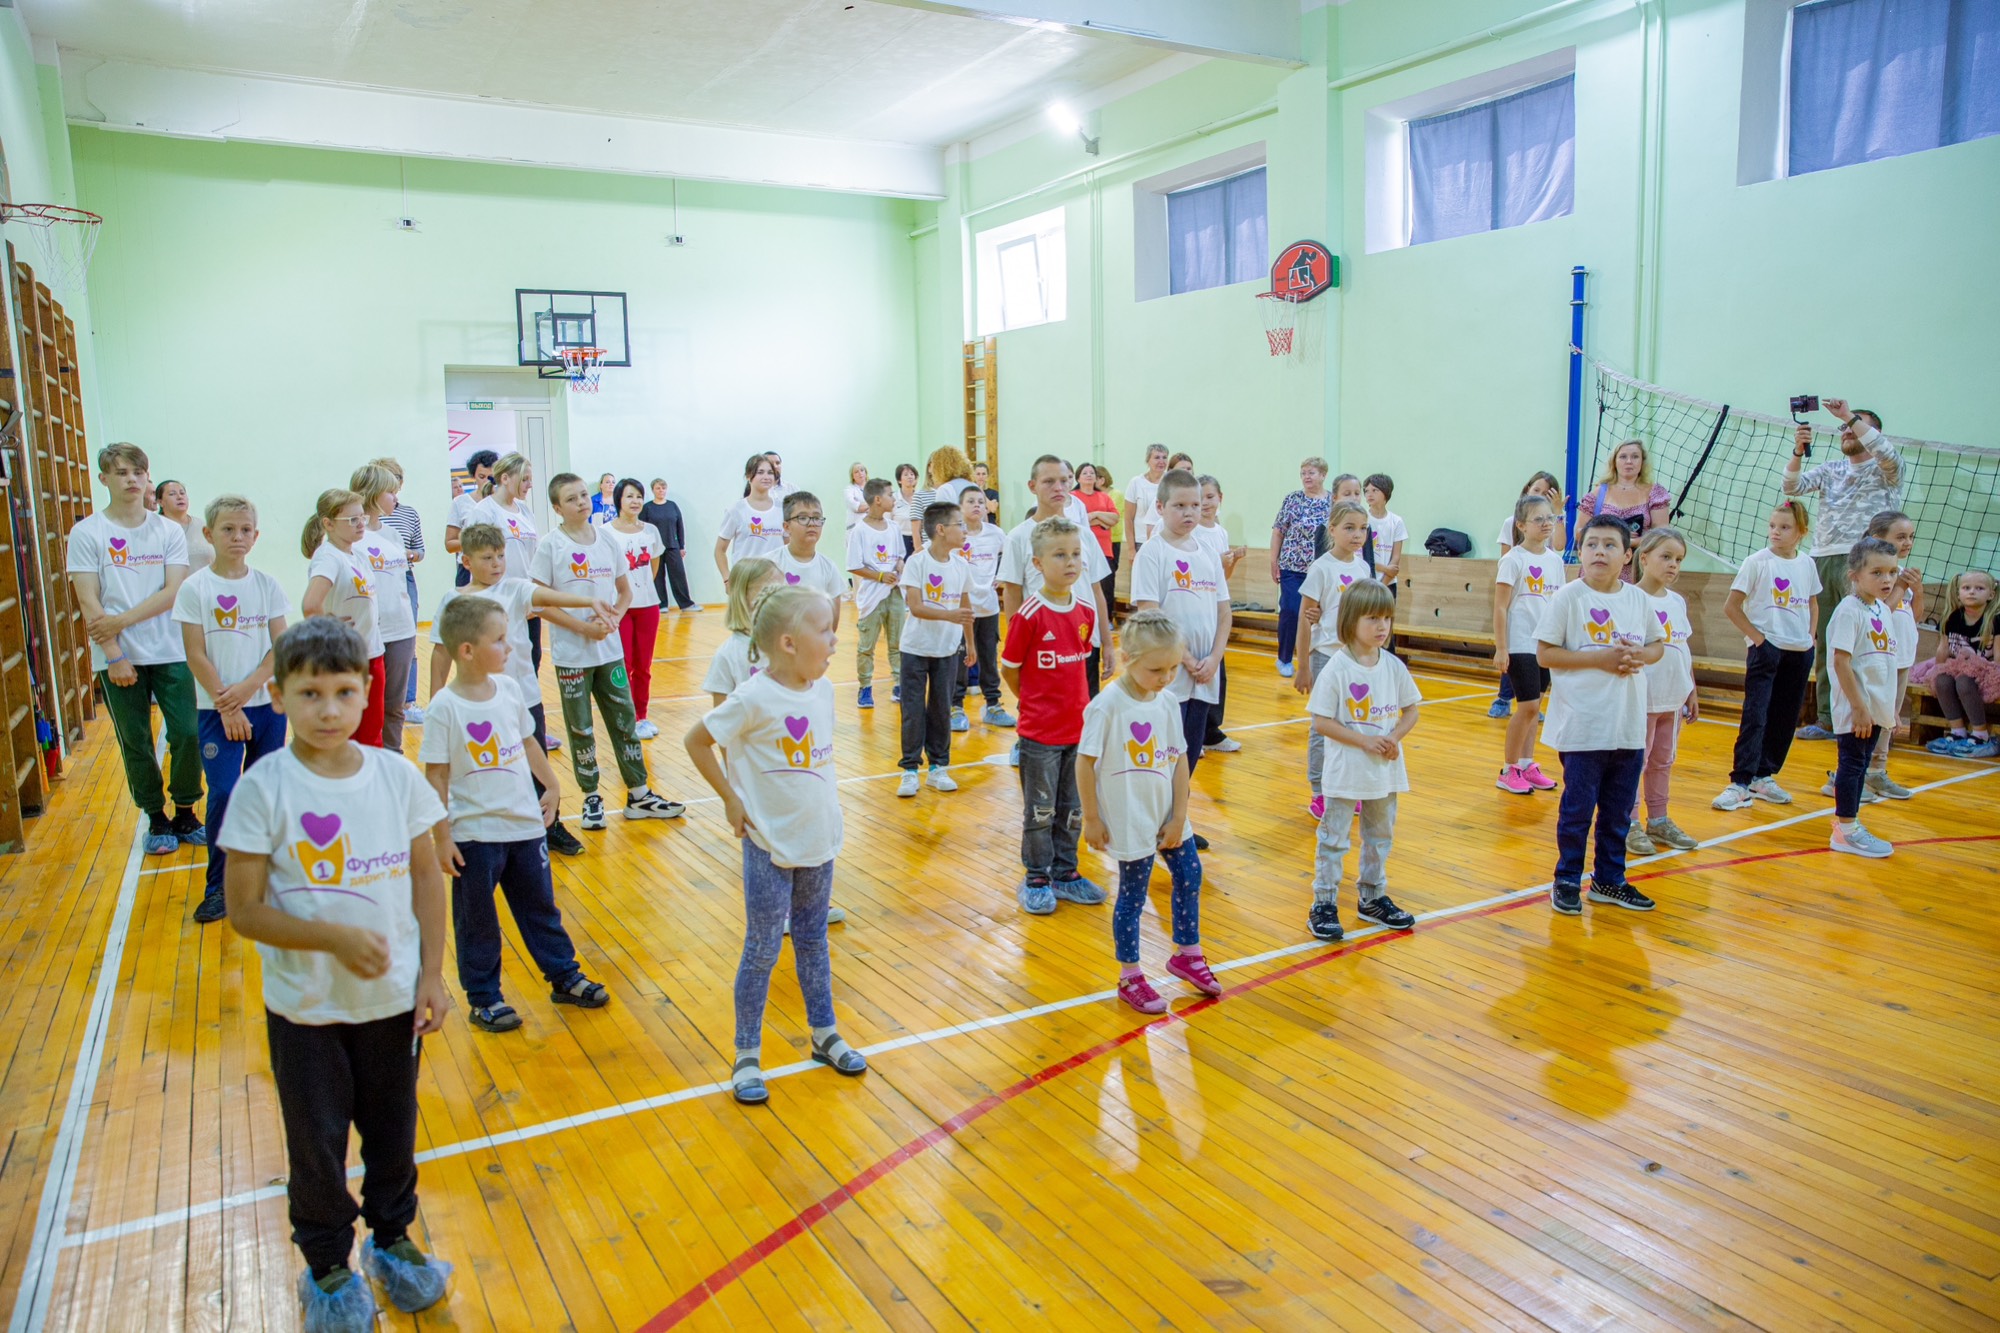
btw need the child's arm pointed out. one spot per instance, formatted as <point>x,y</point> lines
<point>545,596</point>
<point>624,602</point>
<point>1387,571</point>
<point>245,880</point>
<point>545,773</point>
<point>1107,651</point>
<point>913,598</point>
<point>1843,672</point>
<point>722,558</point>
<point>589,629</point>
<point>1205,670</point>
<point>1011,676</point>
<point>1732,608</point>
<point>267,668</point>
<point>1010,600</point>
<point>440,668</point>
<point>1503,601</point>
<point>1095,832</point>
<point>314,602</point>
<point>439,776</point>
<point>1812,610</point>
<point>1302,660</point>
<point>701,749</point>
<point>427,897</point>
<point>1170,832</point>
<point>1558,658</point>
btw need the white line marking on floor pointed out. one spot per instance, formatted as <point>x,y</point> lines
<point>545,1128</point>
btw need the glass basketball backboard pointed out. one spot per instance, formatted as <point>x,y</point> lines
<point>547,321</point>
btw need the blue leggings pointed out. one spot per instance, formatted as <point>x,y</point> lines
<point>223,762</point>
<point>773,894</point>
<point>1184,864</point>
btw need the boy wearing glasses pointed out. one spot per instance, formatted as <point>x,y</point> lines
<point>799,562</point>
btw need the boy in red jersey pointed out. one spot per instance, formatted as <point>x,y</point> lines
<point>1048,643</point>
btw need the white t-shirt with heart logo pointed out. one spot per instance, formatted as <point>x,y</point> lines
<point>1593,709</point>
<point>1368,699</point>
<point>131,565</point>
<point>590,565</point>
<point>234,616</point>
<point>1138,746</point>
<point>779,747</point>
<point>485,743</point>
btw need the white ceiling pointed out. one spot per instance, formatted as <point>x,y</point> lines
<point>852,70</point>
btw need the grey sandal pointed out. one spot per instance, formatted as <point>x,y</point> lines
<point>749,1091</point>
<point>495,1018</point>
<point>581,992</point>
<point>837,1053</point>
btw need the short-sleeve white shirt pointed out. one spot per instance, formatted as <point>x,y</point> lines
<point>982,551</point>
<point>752,531</point>
<point>517,599</point>
<point>640,549</point>
<point>591,567</point>
<point>518,526</point>
<point>1670,680</point>
<point>382,550</point>
<point>878,549</point>
<point>1592,709</point>
<point>1777,597</point>
<point>730,666</point>
<point>352,596</point>
<point>779,746</point>
<point>485,743</point>
<point>1326,579</point>
<point>1535,579</point>
<point>1186,582</point>
<point>131,565</point>
<point>1865,631</point>
<point>234,616</point>
<point>939,583</point>
<point>1368,699</point>
<point>1138,745</point>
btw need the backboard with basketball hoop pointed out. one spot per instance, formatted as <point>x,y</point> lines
<point>554,326</point>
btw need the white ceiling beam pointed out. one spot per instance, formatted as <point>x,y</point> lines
<point>1262,30</point>
<point>151,99</point>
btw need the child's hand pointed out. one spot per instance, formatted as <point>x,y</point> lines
<point>235,726</point>
<point>450,859</point>
<point>734,815</point>
<point>548,800</point>
<point>362,952</point>
<point>123,673</point>
<point>1385,746</point>
<point>604,612</point>
<point>433,1003</point>
<point>232,697</point>
<point>1500,656</point>
<point>1172,832</point>
<point>105,629</point>
<point>1691,710</point>
<point>1302,678</point>
<point>1309,616</point>
<point>595,629</point>
<point>1097,833</point>
<point>1864,726</point>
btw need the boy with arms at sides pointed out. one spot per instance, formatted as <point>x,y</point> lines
<point>799,562</point>
<point>875,559</point>
<point>126,567</point>
<point>228,615</point>
<point>1048,642</point>
<point>331,872</point>
<point>937,584</point>
<point>982,547</point>
<point>1020,574</point>
<point>480,757</point>
<point>483,551</point>
<point>579,557</point>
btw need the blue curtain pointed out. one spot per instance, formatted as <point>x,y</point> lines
<point>1880,78</point>
<point>1498,164</point>
<point>1218,233</point>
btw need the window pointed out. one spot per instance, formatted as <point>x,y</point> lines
<point>1023,274</point>
<point>1879,78</point>
<point>1503,163</point>
<point>1217,233</point>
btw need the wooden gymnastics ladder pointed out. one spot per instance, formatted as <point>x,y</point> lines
<point>982,409</point>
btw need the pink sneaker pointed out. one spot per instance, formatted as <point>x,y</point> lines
<point>1512,779</point>
<point>1540,781</point>
<point>1138,992</point>
<point>1318,807</point>
<point>1193,969</point>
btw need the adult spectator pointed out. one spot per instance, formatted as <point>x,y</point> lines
<point>671,574</point>
<point>479,471</point>
<point>909,512</point>
<point>982,477</point>
<point>172,498</point>
<point>949,472</point>
<point>1142,513</point>
<point>604,504</point>
<point>1300,518</point>
<point>409,525</point>
<point>1866,479</point>
<point>857,492</point>
<point>1626,491</point>
<point>1101,506</point>
<point>1181,462</point>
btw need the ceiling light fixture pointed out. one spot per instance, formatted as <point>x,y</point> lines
<point>1069,122</point>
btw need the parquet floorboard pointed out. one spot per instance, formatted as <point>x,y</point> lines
<point>1771,1104</point>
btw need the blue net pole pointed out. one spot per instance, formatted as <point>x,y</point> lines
<point>1574,448</point>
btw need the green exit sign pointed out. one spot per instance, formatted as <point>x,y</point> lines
<point>479,406</point>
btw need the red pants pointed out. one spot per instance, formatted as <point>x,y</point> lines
<point>370,730</point>
<point>638,631</point>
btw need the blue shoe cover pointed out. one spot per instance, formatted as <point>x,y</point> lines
<point>349,1310</point>
<point>410,1287</point>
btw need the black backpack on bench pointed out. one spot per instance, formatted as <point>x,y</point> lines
<point>1447,542</point>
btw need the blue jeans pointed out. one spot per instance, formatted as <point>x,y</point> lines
<point>410,579</point>
<point>772,895</point>
<point>1184,864</point>
<point>1852,767</point>
<point>1603,783</point>
<point>1289,583</point>
<point>521,871</point>
<point>1051,810</point>
<point>223,762</point>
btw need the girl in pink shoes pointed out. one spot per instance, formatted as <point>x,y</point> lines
<point>1132,780</point>
<point>1530,573</point>
<point>1906,608</point>
<point>1964,676</point>
<point>1670,694</point>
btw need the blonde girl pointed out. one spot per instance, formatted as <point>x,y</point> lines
<point>779,797</point>
<point>735,660</point>
<point>339,583</point>
<point>1528,577</point>
<point>505,505</point>
<point>1670,693</point>
<point>381,549</point>
<point>1773,600</point>
<point>1132,780</point>
<point>1546,486</point>
<point>1964,675</point>
<point>1319,603</point>
<point>1906,608</point>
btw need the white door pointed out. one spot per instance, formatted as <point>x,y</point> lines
<point>535,438</point>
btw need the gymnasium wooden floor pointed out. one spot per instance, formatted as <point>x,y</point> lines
<point>1772,1103</point>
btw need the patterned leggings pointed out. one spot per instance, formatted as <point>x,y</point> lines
<point>772,896</point>
<point>1184,864</point>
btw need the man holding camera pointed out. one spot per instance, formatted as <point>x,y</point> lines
<point>1866,479</point>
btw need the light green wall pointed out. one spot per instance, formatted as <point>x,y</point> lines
<point>262,327</point>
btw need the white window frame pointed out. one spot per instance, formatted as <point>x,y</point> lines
<point>1152,270</point>
<point>1764,122</point>
<point>1048,233</point>
<point>1387,187</point>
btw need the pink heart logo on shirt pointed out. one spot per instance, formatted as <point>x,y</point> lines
<point>1358,691</point>
<point>1534,571</point>
<point>966,550</point>
<point>1662,615</point>
<point>1781,584</point>
<point>1181,565</point>
<point>798,726</point>
<point>1875,625</point>
<point>881,553</point>
<point>1142,732</point>
<point>791,578</point>
<point>937,580</point>
<point>479,731</point>
<point>117,543</point>
<point>1346,579</point>
<point>1600,615</point>
<point>226,603</point>
<point>322,829</point>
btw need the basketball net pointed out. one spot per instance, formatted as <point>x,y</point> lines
<point>64,237</point>
<point>583,365</point>
<point>1291,326</point>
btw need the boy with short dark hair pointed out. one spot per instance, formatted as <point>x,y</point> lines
<point>875,559</point>
<point>331,871</point>
<point>936,585</point>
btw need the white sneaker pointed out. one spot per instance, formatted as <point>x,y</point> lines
<point>1868,797</point>
<point>941,780</point>
<point>1735,796</point>
<point>908,785</point>
<point>1858,841</point>
<point>555,743</point>
<point>413,716</point>
<point>1767,789</point>
<point>1227,745</point>
<point>645,730</point>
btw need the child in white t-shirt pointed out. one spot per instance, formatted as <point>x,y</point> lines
<point>1906,607</point>
<point>1670,692</point>
<point>339,583</point>
<point>381,549</point>
<point>1179,575</point>
<point>1529,574</point>
<point>1319,613</point>
<point>1386,531</point>
<point>780,796</point>
<point>1213,535</point>
<point>581,557</point>
<point>936,586</point>
<point>480,755</point>
<point>1774,600</point>
<point>1598,636</point>
<point>1861,643</point>
<point>228,615</point>
<point>875,559</point>
<point>1132,780</point>
<point>749,579</point>
<point>332,871</point>
<point>799,562</point>
<point>1365,702</point>
<point>982,548</point>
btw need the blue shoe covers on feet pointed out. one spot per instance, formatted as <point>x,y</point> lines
<point>410,1287</point>
<point>349,1310</point>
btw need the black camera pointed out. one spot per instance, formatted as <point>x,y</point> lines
<point>1804,402</point>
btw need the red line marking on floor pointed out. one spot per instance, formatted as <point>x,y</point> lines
<point>806,1218</point>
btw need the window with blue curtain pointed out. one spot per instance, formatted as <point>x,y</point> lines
<point>1503,163</point>
<point>1880,78</point>
<point>1218,233</point>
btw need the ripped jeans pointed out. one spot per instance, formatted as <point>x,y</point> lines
<point>1051,811</point>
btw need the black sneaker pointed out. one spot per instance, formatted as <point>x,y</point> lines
<point>188,827</point>
<point>213,907</point>
<point>1566,898</point>
<point>1200,843</point>
<point>1324,922</point>
<point>1384,912</point>
<point>1621,895</point>
<point>562,840</point>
